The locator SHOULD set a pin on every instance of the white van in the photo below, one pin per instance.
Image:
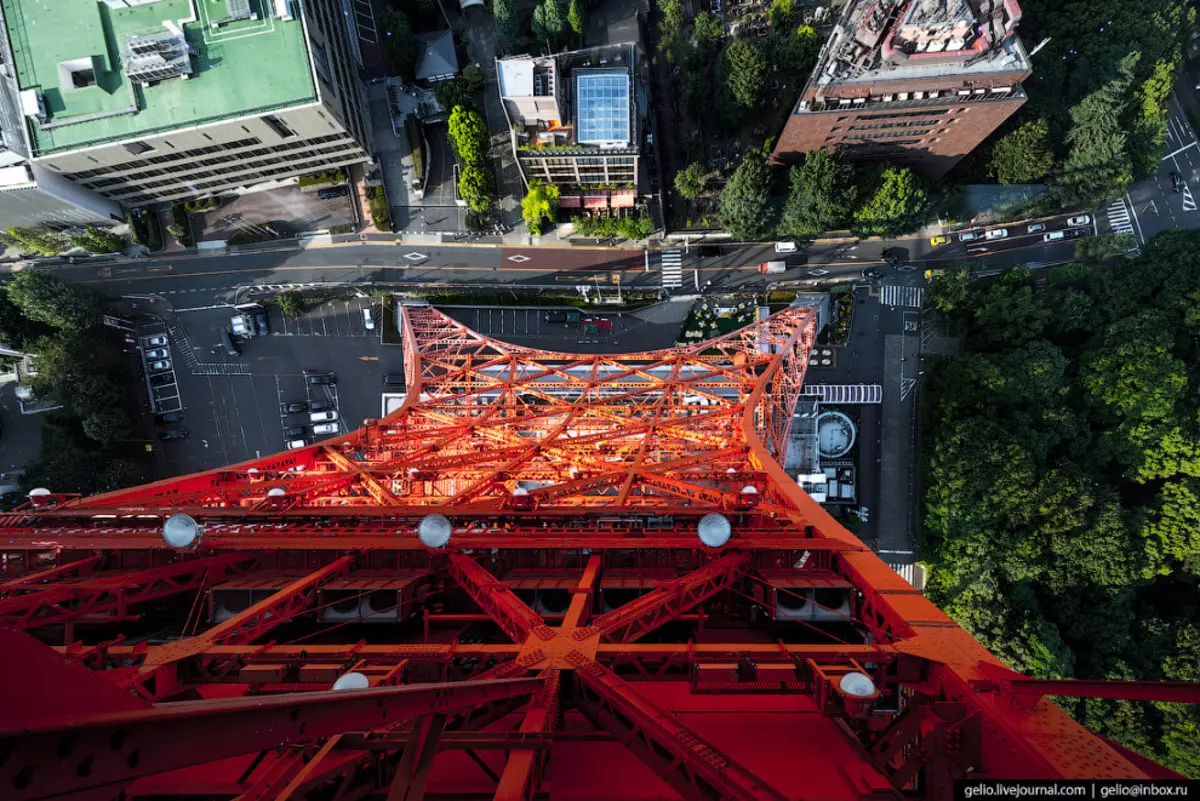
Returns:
(322, 417)
(325, 428)
(367, 321)
(1053, 236)
(296, 443)
(786, 247)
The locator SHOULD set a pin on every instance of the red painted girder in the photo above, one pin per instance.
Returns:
(31, 582)
(84, 751)
(523, 771)
(641, 616)
(244, 627)
(494, 597)
(413, 770)
(111, 594)
(1179, 692)
(693, 767)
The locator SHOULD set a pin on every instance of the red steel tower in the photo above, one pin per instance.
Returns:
(547, 575)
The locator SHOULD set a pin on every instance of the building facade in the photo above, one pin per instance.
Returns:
(144, 101)
(573, 117)
(917, 83)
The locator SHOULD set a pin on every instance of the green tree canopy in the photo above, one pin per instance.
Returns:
(507, 23)
(672, 20)
(97, 240)
(575, 17)
(1023, 156)
(398, 42)
(798, 49)
(898, 204)
(469, 135)
(539, 206)
(689, 182)
(707, 33)
(37, 240)
(782, 13)
(548, 23)
(823, 195)
(1099, 167)
(475, 187)
(743, 204)
(461, 90)
(46, 298)
(745, 70)
(16, 329)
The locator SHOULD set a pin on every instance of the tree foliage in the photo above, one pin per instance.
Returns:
(548, 23)
(671, 22)
(539, 206)
(1062, 500)
(46, 298)
(823, 195)
(507, 23)
(469, 135)
(575, 17)
(1099, 167)
(97, 240)
(897, 205)
(291, 303)
(689, 182)
(460, 90)
(475, 187)
(798, 49)
(398, 42)
(1023, 156)
(743, 204)
(37, 240)
(782, 13)
(745, 70)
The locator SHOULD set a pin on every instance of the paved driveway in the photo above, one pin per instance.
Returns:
(286, 212)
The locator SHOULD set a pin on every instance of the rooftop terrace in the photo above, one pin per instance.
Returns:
(73, 53)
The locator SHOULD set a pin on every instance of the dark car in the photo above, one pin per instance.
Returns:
(261, 323)
(295, 407)
(161, 379)
(179, 432)
(294, 433)
(320, 406)
(166, 418)
(319, 378)
(891, 256)
(393, 379)
(332, 192)
(555, 317)
(710, 251)
(232, 348)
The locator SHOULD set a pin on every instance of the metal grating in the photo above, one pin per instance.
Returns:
(602, 106)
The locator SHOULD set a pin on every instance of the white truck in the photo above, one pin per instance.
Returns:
(773, 267)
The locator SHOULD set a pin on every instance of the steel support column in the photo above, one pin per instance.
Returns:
(98, 750)
(523, 772)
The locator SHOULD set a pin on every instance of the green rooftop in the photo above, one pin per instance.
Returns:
(74, 53)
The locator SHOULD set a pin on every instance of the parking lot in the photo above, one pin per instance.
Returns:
(235, 407)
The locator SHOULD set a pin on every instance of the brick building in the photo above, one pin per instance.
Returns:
(912, 82)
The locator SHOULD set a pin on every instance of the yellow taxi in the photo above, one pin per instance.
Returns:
(939, 240)
(932, 274)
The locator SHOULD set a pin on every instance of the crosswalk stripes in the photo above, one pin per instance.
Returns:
(672, 268)
(1189, 202)
(910, 296)
(1118, 217)
(220, 368)
(180, 342)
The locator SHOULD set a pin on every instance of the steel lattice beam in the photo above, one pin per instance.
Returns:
(112, 595)
(494, 597)
(99, 750)
(642, 616)
(694, 768)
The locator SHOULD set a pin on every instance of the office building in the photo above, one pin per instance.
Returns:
(157, 100)
(574, 118)
(912, 82)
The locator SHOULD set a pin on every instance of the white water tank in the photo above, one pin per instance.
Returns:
(434, 531)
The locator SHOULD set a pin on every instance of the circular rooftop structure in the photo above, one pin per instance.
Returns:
(835, 434)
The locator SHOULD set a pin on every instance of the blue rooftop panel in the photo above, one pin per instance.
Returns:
(602, 106)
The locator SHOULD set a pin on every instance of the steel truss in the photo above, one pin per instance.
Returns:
(558, 473)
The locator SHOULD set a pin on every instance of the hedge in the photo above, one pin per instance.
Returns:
(322, 178)
(417, 143)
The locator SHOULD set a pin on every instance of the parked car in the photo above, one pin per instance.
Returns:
(157, 353)
(320, 406)
(996, 233)
(333, 191)
(1053, 236)
(295, 407)
(555, 317)
(261, 322)
(156, 341)
(292, 444)
(166, 418)
(322, 417)
(161, 379)
(160, 366)
(232, 348)
(325, 428)
(938, 241)
(179, 432)
(294, 432)
(368, 322)
(969, 236)
(1082, 219)
(710, 251)
(1036, 227)
(320, 377)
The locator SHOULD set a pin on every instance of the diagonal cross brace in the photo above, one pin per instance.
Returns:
(494, 597)
(638, 618)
